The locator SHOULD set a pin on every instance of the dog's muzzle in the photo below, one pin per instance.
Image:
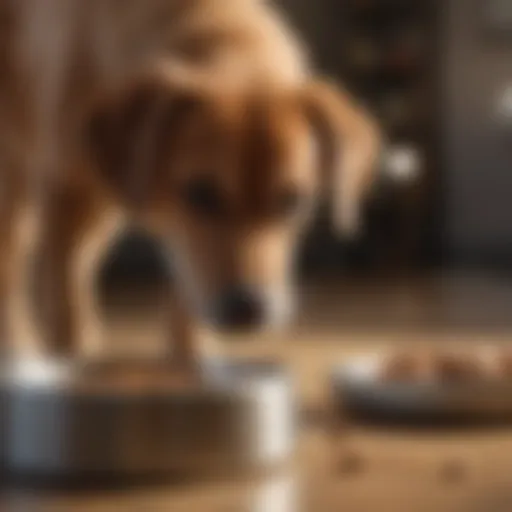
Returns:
(238, 308)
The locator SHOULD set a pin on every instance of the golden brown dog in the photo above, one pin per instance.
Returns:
(198, 120)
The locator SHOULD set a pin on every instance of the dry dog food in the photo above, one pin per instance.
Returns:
(446, 366)
(134, 376)
(401, 367)
(451, 367)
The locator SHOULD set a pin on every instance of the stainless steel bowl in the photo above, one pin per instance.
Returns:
(357, 390)
(240, 418)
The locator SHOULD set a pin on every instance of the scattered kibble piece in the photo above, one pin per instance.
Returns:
(453, 471)
(350, 463)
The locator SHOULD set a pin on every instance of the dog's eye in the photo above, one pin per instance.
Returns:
(203, 196)
(288, 202)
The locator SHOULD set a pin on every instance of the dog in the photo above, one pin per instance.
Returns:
(199, 120)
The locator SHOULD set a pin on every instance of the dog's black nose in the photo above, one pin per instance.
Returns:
(238, 308)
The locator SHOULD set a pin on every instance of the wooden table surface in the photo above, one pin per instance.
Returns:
(358, 470)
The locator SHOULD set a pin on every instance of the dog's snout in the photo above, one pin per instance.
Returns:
(239, 308)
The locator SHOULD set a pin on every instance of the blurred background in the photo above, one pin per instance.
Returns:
(438, 75)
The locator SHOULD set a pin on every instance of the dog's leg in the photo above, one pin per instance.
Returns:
(19, 330)
(103, 229)
(84, 275)
(181, 336)
(17, 227)
(68, 253)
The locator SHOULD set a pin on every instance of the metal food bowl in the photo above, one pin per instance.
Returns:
(239, 417)
(358, 390)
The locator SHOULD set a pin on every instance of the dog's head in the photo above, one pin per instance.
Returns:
(231, 179)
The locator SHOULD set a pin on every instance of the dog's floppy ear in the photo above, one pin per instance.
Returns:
(128, 134)
(350, 145)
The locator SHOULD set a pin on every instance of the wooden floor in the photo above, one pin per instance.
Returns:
(359, 469)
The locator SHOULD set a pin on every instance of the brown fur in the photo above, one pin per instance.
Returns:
(123, 108)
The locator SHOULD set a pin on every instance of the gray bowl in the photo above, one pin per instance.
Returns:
(240, 418)
(357, 390)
